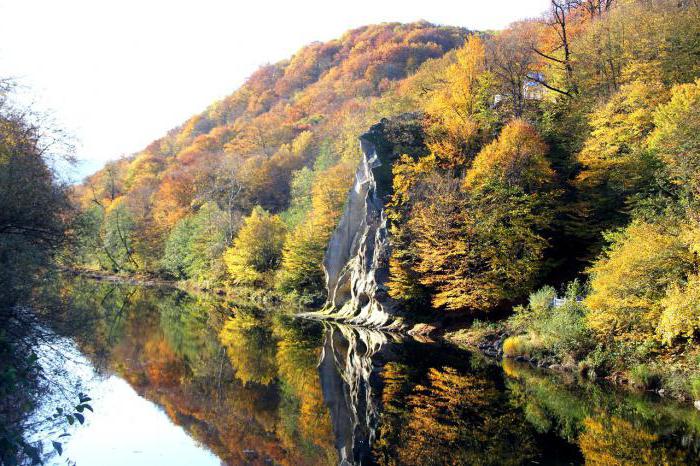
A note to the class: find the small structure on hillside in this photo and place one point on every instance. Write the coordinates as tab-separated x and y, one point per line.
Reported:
533	88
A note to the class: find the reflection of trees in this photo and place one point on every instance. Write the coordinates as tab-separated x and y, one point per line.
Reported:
369	398
250	347
453	418
611	441
255	400
303	416
609	428
391	405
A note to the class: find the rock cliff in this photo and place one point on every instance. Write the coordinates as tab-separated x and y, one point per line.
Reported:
356	262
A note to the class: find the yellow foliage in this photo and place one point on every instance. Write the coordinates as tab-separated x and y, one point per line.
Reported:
630	279
676	138
257	249
330	191
304	248
454	127
516	159
518	345
613	153
681	311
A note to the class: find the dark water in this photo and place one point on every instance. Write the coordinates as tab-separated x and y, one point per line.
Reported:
177	379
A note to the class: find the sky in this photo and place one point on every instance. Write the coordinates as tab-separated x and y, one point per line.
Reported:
118	74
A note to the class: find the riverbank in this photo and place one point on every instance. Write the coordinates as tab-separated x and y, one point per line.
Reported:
666	374
140	279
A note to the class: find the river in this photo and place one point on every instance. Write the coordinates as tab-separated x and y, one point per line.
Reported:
181	379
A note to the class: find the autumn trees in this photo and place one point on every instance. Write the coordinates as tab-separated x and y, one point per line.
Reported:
640	306
35	211
476	240
306	245
644	285
36	227
524	147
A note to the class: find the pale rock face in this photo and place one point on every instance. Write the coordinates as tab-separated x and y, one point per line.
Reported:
356	263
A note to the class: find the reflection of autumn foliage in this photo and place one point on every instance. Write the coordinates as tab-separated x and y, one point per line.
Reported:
161	364
297	370
616	442
260	392
609	428
250	348
459	419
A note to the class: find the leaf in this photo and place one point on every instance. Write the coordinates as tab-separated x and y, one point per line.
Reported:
79	417
58	447
87	406
70	418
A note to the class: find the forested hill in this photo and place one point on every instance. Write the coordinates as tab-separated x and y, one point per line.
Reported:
532	148
292	122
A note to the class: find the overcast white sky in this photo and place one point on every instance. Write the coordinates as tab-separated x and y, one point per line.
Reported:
117	74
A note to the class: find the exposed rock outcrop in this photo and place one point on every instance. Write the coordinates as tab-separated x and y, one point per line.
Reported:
356	262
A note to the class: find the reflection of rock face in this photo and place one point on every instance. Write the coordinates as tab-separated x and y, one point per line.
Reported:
357	257
346	371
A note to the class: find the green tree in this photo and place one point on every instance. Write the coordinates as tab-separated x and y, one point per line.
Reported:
195	244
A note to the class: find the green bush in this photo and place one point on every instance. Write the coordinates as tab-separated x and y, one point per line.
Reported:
695	387
559	330
644	376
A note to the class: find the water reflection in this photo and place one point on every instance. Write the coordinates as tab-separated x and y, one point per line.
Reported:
256	386
348	371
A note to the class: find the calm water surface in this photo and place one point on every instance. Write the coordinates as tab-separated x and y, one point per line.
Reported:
177	379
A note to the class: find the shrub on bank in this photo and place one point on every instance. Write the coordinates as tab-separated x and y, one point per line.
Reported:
552	327
519	345
645	377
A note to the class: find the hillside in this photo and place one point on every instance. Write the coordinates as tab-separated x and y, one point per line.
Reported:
305	112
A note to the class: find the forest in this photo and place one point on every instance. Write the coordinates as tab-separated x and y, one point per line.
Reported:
545	186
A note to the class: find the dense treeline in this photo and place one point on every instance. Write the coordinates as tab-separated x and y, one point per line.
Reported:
559	148
35	228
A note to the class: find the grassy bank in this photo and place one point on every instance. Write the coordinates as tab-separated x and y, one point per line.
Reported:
558	335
